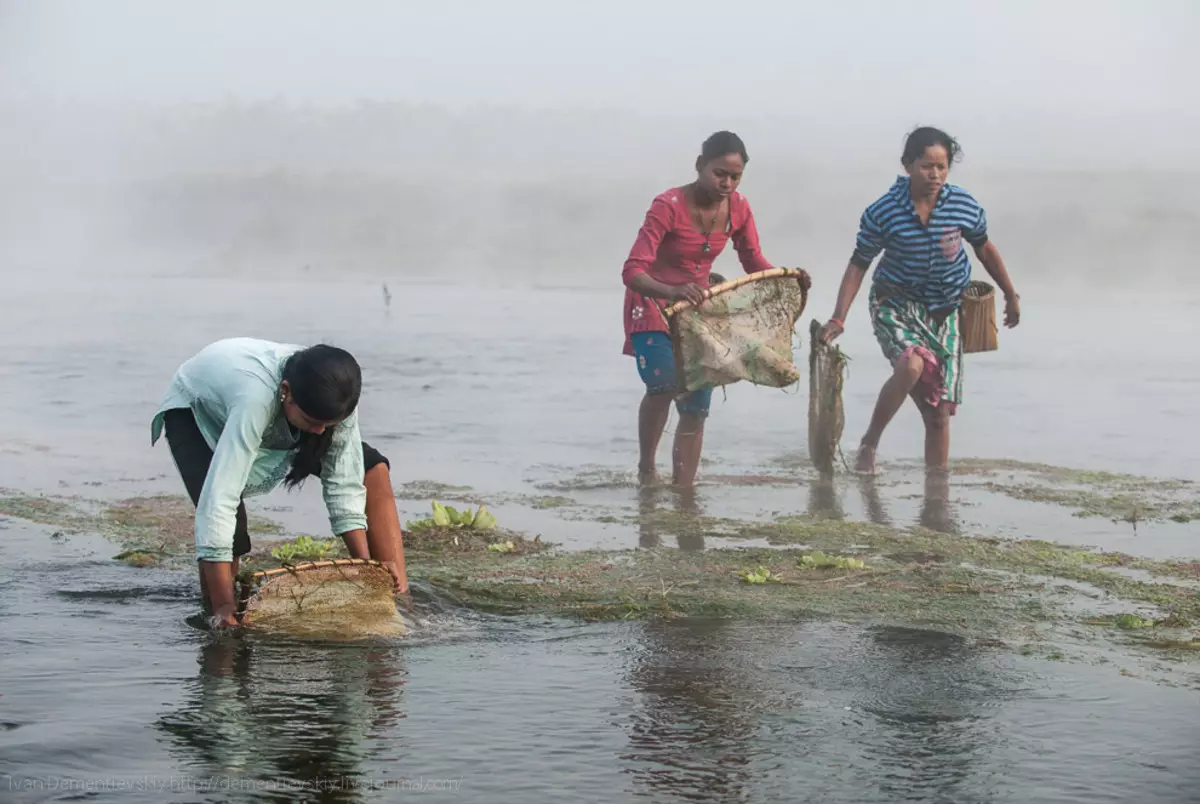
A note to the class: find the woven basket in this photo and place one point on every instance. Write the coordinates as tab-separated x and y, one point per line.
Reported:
977	321
338	598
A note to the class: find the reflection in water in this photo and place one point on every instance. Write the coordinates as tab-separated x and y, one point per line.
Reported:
929	698
936	511
873	501
652	525
824	502
275	710
696	714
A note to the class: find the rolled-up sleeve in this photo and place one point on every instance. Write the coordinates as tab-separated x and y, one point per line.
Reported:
342	479
649	238
869	243
233	459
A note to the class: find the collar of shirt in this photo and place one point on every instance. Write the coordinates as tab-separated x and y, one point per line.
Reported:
900	191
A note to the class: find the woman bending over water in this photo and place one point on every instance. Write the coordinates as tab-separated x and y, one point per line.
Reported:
685	230
919	225
244	416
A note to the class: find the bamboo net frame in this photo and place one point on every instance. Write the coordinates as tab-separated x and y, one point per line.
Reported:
733	284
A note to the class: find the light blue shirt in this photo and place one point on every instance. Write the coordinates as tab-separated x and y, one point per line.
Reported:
232	388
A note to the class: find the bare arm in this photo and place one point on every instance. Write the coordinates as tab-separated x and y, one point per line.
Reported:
847	291
218	582
992	262
652	288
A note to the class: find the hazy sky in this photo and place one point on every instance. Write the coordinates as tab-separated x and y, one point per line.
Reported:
652	54
1083	69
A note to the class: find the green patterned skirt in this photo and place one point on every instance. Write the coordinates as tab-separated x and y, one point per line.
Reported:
904	327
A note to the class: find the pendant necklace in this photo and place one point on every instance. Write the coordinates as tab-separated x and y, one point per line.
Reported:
708	229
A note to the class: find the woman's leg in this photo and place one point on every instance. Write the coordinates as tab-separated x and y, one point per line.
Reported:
937	435
652	420
656	366
689	436
384	538
905	375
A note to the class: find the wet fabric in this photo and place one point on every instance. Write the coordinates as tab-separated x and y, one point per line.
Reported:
904	328
826	414
744	333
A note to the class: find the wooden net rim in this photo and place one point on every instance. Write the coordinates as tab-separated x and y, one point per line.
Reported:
308	565
978	289
732	284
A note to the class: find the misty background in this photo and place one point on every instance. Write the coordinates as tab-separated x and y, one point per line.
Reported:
521	142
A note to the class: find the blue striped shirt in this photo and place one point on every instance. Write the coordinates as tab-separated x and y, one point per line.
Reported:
922	262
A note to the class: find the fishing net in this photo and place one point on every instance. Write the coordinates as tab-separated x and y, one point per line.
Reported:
742	331
826	416
339	599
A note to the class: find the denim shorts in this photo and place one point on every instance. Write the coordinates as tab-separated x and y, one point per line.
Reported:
656	365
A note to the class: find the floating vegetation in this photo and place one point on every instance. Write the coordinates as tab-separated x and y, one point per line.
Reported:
433	489
819	560
1030	595
758	575
304	548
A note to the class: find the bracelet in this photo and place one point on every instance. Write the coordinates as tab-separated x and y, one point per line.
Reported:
841	324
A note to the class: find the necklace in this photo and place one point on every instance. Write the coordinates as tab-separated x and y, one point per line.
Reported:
708	229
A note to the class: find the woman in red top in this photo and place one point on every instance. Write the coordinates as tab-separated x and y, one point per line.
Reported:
685	230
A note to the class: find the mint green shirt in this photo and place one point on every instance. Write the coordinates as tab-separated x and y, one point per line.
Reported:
232	388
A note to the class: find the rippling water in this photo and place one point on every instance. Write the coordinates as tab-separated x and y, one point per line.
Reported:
105	690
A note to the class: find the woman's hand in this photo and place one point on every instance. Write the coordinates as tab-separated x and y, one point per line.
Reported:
689	293
1012	310
804	279
399	582
832	329
225	617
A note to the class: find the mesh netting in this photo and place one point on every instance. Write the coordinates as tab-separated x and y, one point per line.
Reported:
826	417
742	332
342	599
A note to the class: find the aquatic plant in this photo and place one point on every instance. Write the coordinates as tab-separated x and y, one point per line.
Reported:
819	560
445	516
758	575
305	548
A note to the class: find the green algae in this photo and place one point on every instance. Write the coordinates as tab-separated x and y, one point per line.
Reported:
433	489
1016	592
1114	496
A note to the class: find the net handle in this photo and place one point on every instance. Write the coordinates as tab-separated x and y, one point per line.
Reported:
732	284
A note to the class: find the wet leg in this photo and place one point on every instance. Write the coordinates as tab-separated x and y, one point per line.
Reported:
689	441
891	397
652	420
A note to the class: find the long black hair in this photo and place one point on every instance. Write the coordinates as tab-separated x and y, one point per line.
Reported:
325	383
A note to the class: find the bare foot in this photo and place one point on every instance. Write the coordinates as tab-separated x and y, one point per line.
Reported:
864	464
649	477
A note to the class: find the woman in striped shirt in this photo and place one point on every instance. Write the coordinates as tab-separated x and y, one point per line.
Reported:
919	225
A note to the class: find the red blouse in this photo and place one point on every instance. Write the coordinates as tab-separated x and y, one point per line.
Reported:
670	248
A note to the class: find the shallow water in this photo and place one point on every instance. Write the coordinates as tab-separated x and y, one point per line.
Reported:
105	684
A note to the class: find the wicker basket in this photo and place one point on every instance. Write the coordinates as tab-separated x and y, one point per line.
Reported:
977	321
